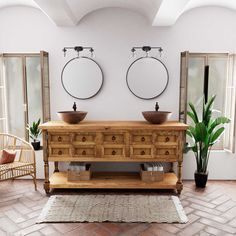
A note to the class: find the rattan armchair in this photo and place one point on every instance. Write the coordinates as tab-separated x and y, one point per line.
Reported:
25	163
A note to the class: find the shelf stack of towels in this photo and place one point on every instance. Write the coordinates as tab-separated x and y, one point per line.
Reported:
77	166
153	167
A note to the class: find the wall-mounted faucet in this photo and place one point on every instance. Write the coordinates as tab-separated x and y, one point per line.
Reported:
74	106
157	106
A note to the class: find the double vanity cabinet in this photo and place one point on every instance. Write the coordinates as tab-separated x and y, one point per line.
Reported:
113	141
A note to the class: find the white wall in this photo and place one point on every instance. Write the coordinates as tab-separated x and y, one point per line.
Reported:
112	33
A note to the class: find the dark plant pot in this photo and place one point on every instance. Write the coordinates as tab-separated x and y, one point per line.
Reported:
200	179
36	145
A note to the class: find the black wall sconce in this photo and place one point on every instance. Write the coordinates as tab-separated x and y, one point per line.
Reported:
146	49
79	49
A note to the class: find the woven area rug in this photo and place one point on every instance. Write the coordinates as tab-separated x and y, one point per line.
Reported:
113	208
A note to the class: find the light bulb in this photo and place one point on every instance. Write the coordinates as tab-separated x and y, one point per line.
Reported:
160	51
133	52
64	51
147	54
92	54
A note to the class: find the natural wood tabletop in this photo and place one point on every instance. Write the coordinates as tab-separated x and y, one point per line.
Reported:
176	125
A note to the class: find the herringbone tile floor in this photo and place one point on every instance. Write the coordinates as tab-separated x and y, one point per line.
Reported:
211	212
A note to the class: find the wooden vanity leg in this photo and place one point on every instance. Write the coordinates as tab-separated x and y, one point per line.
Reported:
56	166
46	181
45	159
179	184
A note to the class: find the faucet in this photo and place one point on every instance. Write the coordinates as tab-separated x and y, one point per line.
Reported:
74	106
157	106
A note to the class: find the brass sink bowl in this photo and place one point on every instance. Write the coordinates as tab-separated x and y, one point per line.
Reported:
156	117
72	117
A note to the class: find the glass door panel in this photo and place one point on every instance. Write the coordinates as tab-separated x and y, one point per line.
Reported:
195	83
34	93
217	80
13	71
45	84
217	86
2	111
2	99
3	127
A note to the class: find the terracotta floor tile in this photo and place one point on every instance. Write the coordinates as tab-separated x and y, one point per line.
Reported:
220	200
8	225
48	230
211	216
214	231
169	228
192	229
226	206
219	226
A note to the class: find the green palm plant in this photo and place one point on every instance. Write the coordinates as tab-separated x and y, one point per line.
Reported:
204	133
34	130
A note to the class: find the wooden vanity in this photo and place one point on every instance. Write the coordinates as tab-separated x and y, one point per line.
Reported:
113	141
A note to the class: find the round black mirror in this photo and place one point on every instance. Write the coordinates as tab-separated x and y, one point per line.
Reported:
147	77
82	77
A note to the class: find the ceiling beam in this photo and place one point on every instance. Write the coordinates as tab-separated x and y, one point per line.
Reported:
169	12
58	11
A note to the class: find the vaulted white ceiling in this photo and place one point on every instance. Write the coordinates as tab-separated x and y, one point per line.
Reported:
158	12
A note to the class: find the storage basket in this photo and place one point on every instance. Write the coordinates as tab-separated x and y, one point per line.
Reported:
151	176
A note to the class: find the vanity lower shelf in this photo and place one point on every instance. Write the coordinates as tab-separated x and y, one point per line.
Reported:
113	180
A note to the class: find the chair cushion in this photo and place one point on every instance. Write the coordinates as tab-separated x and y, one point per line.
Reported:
7	157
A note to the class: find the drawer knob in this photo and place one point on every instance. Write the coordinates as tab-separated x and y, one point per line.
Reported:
167	139
59	139
83	139
113	138
167	153
84	153
113	152
143	139
60	152
142	152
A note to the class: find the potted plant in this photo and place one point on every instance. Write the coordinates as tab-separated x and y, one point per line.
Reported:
34	133
204	133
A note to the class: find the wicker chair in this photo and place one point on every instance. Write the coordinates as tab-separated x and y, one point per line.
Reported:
25	165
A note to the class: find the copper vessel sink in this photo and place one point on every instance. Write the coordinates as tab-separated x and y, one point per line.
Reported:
156	117
72	117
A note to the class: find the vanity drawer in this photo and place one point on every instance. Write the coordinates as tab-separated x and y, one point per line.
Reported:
84	138
141	138
113	138
113	151
84	151
167	152
167	138
59	138
59	151
141	152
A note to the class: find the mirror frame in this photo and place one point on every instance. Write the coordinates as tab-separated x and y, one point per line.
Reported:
76	58
141	58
